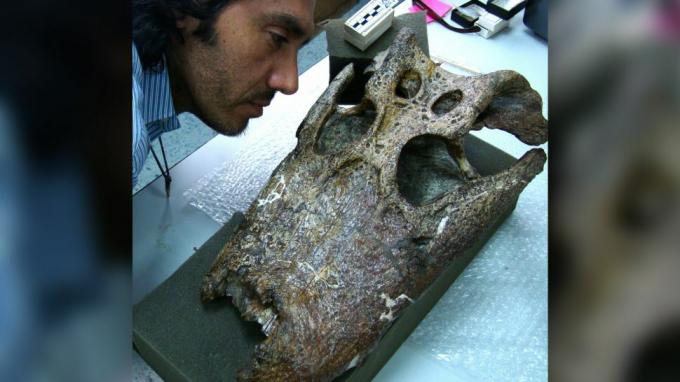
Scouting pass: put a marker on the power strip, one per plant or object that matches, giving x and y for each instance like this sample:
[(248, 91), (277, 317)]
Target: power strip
[(490, 24), (369, 23), (474, 14)]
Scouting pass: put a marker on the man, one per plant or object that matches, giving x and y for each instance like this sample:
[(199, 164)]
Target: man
[(222, 60)]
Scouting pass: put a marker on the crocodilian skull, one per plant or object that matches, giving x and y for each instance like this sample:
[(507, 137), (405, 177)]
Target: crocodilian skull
[(368, 209)]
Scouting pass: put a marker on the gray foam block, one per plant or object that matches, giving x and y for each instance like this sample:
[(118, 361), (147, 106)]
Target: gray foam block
[(182, 338), (342, 52)]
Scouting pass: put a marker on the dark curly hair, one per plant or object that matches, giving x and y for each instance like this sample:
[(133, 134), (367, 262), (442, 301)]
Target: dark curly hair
[(153, 24)]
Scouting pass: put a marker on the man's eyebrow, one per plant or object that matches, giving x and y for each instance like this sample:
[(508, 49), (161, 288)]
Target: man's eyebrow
[(289, 22)]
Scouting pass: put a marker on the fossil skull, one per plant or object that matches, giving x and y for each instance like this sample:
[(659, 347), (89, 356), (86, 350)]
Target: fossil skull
[(367, 210)]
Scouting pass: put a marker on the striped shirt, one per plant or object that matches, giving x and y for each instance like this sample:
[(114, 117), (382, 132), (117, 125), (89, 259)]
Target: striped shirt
[(153, 112)]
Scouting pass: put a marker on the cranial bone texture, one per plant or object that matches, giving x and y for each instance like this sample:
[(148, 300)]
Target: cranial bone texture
[(369, 208)]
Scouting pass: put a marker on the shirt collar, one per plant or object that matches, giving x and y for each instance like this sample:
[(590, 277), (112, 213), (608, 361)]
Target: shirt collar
[(157, 104)]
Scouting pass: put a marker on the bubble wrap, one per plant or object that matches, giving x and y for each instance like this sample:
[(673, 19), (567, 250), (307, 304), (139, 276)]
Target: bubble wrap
[(233, 186), (492, 322)]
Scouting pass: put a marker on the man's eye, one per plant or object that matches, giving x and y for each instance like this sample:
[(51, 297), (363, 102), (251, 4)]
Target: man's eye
[(278, 39)]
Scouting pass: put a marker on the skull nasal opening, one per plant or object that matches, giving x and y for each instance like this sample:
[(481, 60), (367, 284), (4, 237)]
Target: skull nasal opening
[(426, 171), (409, 84)]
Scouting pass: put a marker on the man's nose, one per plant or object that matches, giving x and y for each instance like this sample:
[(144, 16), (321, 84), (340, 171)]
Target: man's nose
[(284, 77)]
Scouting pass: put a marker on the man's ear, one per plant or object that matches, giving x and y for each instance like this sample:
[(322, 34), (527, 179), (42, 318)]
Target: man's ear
[(180, 20), (186, 23)]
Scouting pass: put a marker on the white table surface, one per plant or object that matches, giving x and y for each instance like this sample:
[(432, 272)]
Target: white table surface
[(491, 324)]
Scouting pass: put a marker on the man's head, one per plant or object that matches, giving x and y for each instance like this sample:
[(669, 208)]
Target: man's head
[(225, 66)]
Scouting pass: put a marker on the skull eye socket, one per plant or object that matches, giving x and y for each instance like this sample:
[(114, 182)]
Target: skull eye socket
[(426, 170), (447, 102), (345, 126), (409, 84)]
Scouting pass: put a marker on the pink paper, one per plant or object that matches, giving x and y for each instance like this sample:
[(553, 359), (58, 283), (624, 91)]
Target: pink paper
[(437, 6)]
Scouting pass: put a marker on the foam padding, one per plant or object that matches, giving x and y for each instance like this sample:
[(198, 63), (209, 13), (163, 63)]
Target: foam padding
[(342, 52), (183, 339)]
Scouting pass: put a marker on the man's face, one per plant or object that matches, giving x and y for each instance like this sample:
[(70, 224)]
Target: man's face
[(253, 54)]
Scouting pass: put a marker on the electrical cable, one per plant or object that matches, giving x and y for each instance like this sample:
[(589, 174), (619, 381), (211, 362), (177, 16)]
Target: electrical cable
[(441, 21)]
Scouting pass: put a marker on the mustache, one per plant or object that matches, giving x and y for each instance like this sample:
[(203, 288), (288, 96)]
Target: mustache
[(262, 95)]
